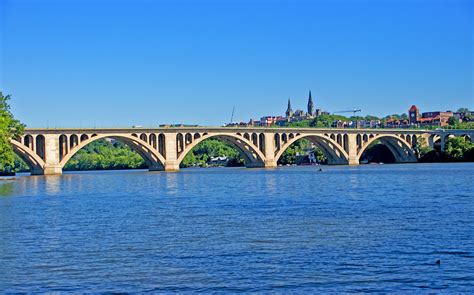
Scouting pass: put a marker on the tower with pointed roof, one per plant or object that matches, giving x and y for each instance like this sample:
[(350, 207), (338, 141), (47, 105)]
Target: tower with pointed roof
[(289, 111), (413, 114), (310, 106)]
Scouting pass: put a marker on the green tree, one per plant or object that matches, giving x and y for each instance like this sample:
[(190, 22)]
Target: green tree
[(458, 147), (326, 121), (370, 117), (201, 154), (294, 154), (289, 155), (320, 157), (9, 128), (20, 165), (104, 155), (453, 121), (190, 160), (421, 147)]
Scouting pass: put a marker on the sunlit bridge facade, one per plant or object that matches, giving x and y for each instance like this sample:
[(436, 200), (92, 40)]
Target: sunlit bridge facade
[(46, 151)]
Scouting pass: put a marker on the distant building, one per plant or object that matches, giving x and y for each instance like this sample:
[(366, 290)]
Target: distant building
[(271, 120), (290, 115), (300, 115), (413, 115), (396, 123), (311, 112), (464, 116), (218, 160), (371, 124), (436, 118), (289, 111)]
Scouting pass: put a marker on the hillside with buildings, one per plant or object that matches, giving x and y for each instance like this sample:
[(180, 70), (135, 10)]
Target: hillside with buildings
[(463, 118)]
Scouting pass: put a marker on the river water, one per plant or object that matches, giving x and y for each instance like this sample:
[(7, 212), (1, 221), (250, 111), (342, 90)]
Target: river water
[(294, 229)]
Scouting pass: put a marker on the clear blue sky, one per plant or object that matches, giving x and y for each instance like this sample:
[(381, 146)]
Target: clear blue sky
[(118, 63)]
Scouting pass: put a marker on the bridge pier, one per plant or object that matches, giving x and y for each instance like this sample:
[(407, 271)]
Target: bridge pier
[(352, 153), (49, 170), (171, 166), (353, 162), (269, 151), (52, 154), (443, 143), (270, 164)]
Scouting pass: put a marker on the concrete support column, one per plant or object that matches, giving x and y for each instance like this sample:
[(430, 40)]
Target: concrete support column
[(270, 151), (37, 171), (428, 140), (443, 142), (171, 163), (352, 153), (52, 166)]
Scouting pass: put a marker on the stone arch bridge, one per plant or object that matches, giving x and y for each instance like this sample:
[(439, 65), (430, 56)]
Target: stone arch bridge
[(46, 151)]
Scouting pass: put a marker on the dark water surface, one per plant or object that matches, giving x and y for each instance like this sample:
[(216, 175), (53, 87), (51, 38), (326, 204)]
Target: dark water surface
[(369, 228)]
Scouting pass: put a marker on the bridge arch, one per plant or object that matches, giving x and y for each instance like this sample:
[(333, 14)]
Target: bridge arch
[(253, 157), (401, 149), (152, 157), (334, 152), (34, 161), (433, 140)]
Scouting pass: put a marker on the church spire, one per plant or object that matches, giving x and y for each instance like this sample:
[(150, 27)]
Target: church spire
[(289, 111), (310, 105)]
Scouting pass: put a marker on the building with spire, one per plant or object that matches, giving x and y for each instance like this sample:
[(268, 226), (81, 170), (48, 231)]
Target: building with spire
[(290, 115), (310, 106), (289, 111), (299, 115)]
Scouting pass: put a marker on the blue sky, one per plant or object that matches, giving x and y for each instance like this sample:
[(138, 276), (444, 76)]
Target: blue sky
[(121, 63)]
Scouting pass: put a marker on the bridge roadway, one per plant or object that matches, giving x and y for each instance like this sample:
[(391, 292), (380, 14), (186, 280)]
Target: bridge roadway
[(46, 151)]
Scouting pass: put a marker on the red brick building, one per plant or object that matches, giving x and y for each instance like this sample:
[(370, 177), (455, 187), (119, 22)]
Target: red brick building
[(428, 118)]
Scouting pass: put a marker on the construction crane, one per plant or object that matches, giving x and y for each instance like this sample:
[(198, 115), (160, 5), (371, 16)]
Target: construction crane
[(232, 117), (354, 111)]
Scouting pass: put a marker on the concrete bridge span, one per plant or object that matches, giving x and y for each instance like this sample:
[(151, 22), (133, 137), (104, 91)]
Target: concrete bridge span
[(47, 151)]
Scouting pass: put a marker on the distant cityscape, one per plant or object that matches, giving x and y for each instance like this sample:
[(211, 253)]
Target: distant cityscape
[(414, 118)]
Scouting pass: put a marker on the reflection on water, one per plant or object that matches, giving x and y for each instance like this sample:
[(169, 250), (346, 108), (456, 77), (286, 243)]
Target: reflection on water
[(171, 183), (271, 184), (6, 187), (291, 229), (53, 183)]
